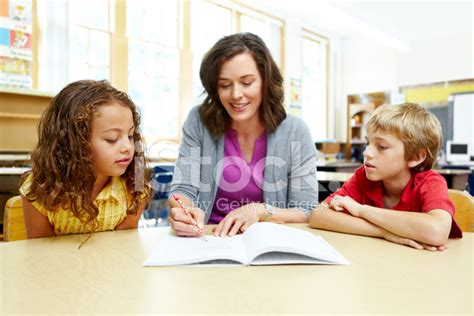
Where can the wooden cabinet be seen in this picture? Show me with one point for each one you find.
(358, 115)
(20, 112)
(359, 109)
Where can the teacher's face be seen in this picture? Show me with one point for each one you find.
(240, 88)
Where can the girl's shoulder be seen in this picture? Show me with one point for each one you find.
(26, 185)
(25, 189)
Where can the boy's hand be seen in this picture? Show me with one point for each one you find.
(411, 243)
(433, 248)
(402, 240)
(339, 203)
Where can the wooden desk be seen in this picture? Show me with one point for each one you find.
(455, 178)
(339, 166)
(329, 182)
(50, 275)
(327, 176)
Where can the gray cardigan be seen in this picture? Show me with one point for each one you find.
(289, 174)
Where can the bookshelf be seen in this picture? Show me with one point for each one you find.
(359, 109)
(20, 112)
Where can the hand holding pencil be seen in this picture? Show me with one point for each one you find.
(186, 221)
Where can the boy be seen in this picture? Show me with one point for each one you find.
(402, 145)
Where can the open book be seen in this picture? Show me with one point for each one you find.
(261, 244)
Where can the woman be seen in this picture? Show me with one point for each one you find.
(242, 159)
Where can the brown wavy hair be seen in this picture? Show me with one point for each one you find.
(214, 116)
(62, 168)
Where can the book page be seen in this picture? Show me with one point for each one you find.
(270, 258)
(261, 238)
(174, 250)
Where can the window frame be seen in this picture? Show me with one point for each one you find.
(118, 57)
(322, 40)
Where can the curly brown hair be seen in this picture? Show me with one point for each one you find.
(62, 168)
(214, 116)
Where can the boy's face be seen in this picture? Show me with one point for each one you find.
(385, 157)
(112, 144)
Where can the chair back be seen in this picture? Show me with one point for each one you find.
(464, 206)
(13, 220)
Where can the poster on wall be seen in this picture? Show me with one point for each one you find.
(20, 10)
(15, 44)
(295, 97)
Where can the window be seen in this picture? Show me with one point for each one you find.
(314, 84)
(209, 23)
(153, 64)
(89, 40)
(153, 50)
(268, 29)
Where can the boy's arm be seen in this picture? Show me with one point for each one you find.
(430, 228)
(324, 217)
(338, 221)
(37, 225)
(327, 219)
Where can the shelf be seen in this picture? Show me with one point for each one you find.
(20, 112)
(359, 109)
(29, 92)
(20, 116)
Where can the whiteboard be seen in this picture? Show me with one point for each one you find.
(463, 119)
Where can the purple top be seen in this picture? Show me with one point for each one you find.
(240, 183)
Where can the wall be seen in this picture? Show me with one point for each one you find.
(369, 66)
(293, 66)
(442, 59)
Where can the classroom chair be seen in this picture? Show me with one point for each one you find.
(156, 213)
(13, 220)
(464, 206)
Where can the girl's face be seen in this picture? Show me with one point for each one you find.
(240, 88)
(112, 142)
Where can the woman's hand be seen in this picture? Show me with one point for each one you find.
(240, 219)
(187, 225)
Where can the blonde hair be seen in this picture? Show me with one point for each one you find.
(417, 128)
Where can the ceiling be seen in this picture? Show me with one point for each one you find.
(398, 22)
(412, 21)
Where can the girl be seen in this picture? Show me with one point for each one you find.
(88, 168)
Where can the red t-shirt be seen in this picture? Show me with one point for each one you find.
(426, 191)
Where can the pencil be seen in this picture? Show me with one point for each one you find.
(185, 210)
